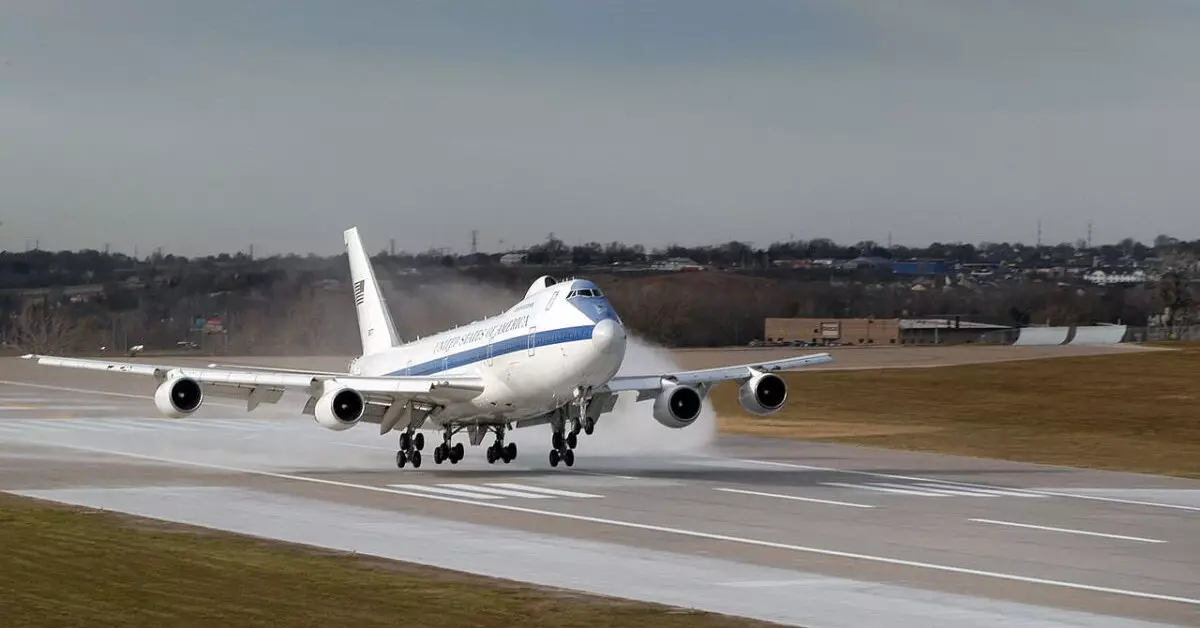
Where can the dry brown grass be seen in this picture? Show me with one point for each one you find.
(63, 566)
(1133, 412)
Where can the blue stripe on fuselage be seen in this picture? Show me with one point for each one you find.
(503, 347)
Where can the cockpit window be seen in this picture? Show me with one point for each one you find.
(587, 292)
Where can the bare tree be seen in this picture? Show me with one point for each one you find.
(1175, 292)
(43, 326)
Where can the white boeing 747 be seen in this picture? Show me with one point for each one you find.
(551, 358)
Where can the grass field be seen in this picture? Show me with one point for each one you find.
(65, 566)
(1133, 412)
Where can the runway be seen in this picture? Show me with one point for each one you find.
(798, 533)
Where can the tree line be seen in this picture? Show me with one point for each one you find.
(302, 304)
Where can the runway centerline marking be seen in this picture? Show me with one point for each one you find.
(1035, 491)
(793, 498)
(654, 528)
(1066, 530)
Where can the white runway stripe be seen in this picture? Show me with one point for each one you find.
(541, 489)
(794, 498)
(940, 490)
(883, 489)
(502, 492)
(1067, 530)
(1002, 492)
(56, 407)
(436, 490)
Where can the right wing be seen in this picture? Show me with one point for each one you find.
(383, 394)
(647, 385)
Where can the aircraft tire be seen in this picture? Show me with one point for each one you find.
(419, 441)
(554, 457)
(416, 459)
(572, 440)
(510, 452)
(569, 458)
(400, 459)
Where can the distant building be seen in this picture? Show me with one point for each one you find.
(921, 267)
(1102, 278)
(855, 331)
(877, 331)
(677, 264)
(867, 262)
(513, 259)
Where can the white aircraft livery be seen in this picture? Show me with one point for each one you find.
(551, 358)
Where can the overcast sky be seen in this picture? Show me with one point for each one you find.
(208, 126)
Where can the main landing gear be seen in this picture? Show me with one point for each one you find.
(563, 447)
(498, 451)
(445, 451)
(410, 449)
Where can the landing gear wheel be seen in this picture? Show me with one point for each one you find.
(439, 454)
(400, 459)
(419, 442)
(569, 457)
(416, 459)
(510, 452)
(554, 457)
(458, 452)
(589, 427)
(491, 455)
(556, 441)
(572, 441)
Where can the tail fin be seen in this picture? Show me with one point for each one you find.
(375, 327)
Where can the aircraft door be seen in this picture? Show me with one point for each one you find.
(491, 348)
(408, 368)
(532, 338)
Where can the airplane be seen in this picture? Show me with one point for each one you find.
(552, 358)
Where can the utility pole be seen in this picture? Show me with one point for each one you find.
(474, 242)
(1039, 235)
(1089, 235)
(392, 247)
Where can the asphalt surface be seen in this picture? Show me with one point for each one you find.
(799, 533)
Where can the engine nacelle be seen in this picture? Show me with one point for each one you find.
(763, 394)
(678, 406)
(339, 409)
(178, 397)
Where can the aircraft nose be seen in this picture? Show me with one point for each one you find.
(608, 336)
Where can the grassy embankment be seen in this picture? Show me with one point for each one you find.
(64, 566)
(1132, 412)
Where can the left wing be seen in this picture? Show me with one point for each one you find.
(649, 384)
(384, 395)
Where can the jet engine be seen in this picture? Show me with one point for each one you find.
(762, 394)
(178, 397)
(339, 409)
(678, 406)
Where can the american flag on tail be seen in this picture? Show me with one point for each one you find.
(360, 290)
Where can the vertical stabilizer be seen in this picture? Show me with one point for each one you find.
(375, 327)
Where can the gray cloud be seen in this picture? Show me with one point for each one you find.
(210, 126)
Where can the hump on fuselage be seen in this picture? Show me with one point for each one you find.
(541, 283)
